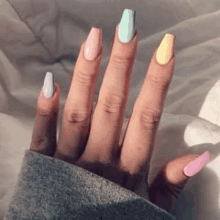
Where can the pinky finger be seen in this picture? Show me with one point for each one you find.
(45, 127)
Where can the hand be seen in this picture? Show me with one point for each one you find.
(89, 137)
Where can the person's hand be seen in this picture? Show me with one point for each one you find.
(90, 139)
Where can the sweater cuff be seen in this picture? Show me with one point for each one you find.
(49, 188)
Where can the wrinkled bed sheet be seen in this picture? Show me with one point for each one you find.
(37, 36)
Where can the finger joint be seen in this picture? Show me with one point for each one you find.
(74, 116)
(113, 103)
(120, 62)
(158, 81)
(149, 117)
(45, 112)
(85, 78)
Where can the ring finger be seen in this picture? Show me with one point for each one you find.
(108, 116)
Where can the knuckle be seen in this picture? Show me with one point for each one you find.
(158, 81)
(39, 140)
(119, 62)
(77, 116)
(113, 103)
(149, 117)
(44, 112)
(85, 78)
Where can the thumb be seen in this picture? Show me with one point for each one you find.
(168, 184)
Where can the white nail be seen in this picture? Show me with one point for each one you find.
(49, 85)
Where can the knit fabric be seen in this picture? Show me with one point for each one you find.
(49, 188)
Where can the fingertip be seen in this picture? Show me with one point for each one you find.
(49, 105)
(57, 89)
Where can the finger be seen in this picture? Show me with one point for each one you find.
(109, 113)
(169, 183)
(45, 126)
(77, 110)
(138, 142)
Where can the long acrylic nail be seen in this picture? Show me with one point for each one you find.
(166, 49)
(127, 27)
(196, 165)
(49, 85)
(93, 43)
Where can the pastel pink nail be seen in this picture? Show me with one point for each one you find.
(93, 43)
(196, 165)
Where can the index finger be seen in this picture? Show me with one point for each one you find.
(139, 138)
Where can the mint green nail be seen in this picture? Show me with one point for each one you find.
(127, 26)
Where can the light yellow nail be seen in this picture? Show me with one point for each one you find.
(166, 49)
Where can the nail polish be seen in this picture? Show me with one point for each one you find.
(49, 85)
(93, 43)
(166, 49)
(127, 26)
(196, 165)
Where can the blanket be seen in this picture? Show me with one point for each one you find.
(37, 36)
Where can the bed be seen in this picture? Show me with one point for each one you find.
(37, 36)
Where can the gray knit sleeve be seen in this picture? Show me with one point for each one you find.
(49, 188)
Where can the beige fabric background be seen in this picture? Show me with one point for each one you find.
(37, 36)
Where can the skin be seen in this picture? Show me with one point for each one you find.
(89, 137)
